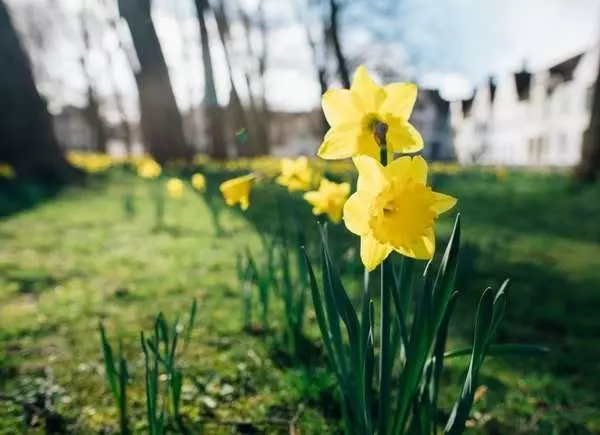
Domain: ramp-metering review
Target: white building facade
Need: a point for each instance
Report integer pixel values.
(528, 118)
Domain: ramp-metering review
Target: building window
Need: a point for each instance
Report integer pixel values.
(589, 98)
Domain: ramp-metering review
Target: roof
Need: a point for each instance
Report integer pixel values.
(492, 85)
(466, 106)
(566, 68)
(523, 84)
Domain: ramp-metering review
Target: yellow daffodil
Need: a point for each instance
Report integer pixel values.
(175, 188)
(353, 114)
(296, 175)
(329, 199)
(199, 182)
(149, 169)
(237, 190)
(393, 209)
(6, 171)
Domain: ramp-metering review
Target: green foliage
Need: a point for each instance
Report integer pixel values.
(67, 262)
(352, 350)
(160, 357)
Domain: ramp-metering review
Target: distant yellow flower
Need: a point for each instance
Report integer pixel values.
(296, 175)
(329, 199)
(237, 190)
(502, 174)
(199, 182)
(175, 188)
(394, 209)
(149, 169)
(6, 171)
(354, 113)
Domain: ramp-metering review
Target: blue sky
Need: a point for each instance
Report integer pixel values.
(476, 38)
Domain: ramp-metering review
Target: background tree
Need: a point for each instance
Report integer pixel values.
(92, 109)
(214, 113)
(27, 140)
(589, 167)
(160, 119)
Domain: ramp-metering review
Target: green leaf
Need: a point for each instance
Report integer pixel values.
(109, 365)
(438, 358)
(417, 353)
(444, 282)
(501, 350)
(190, 324)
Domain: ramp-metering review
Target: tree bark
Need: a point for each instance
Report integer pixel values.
(588, 169)
(27, 139)
(215, 114)
(161, 123)
(334, 33)
(92, 111)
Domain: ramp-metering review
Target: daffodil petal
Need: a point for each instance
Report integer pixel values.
(335, 215)
(402, 137)
(356, 213)
(399, 101)
(371, 177)
(442, 202)
(418, 169)
(339, 108)
(367, 145)
(371, 94)
(372, 253)
(313, 197)
(399, 169)
(340, 142)
(423, 247)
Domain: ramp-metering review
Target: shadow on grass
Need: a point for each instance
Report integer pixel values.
(17, 196)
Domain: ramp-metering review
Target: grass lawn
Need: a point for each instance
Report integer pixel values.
(75, 259)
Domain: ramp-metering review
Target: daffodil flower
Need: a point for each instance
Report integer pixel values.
(296, 174)
(329, 199)
(149, 169)
(393, 209)
(353, 114)
(237, 190)
(199, 182)
(175, 188)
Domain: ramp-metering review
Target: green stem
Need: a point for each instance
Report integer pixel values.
(385, 361)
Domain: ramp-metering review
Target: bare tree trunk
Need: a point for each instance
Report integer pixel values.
(588, 169)
(214, 112)
(237, 116)
(27, 140)
(92, 111)
(161, 123)
(263, 137)
(334, 34)
(320, 68)
(119, 100)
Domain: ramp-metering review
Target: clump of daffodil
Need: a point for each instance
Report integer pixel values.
(175, 188)
(296, 175)
(393, 209)
(149, 169)
(199, 182)
(237, 190)
(353, 115)
(329, 199)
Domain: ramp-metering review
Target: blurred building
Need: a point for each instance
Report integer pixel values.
(528, 118)
(301, 133)
(295, 133)
(431, 116)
